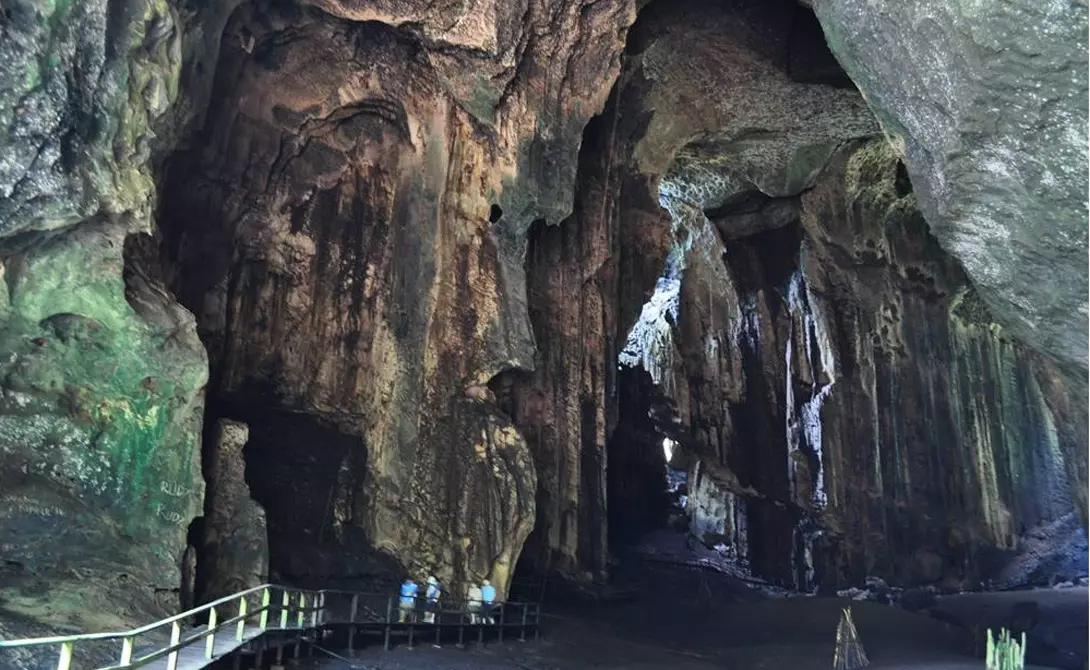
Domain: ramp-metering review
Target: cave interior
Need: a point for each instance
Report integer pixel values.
(549, 296)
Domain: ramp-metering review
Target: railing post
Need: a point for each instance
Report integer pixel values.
(64, 662)
(537, 621)
(266, 598)
(462, 625)
(353, 610)
(315, 616)
(210, 641)
(503, 611)
(126, 652)
(243, 607)
(522, 632)
(285, 606)
(299, 618)
(175, 638)
(389, 613)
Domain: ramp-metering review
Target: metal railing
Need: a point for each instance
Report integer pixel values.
(385, 614)
(292, 607)
(298, 611)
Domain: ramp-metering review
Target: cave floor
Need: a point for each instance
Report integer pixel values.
(720, 624)
(772, 635)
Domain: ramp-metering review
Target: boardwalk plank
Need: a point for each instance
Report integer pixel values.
(192, 657)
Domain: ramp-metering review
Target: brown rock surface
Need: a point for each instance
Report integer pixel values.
(234, 549)
(350, 232)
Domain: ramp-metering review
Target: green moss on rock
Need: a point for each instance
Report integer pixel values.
(99, 420)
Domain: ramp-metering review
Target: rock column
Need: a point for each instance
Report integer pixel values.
(235, 552)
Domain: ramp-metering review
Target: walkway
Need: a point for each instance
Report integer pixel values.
(281, 621)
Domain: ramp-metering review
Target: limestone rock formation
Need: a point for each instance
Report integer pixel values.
(77, 101)
(99, 431)
(987, 104)
(103, 374)
(880, 391)
(234, 547)
(418, 238)
(755, 130)
(349, 229)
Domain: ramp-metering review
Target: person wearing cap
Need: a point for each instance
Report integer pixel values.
(407, 601)
(432, 596)
(473, 604)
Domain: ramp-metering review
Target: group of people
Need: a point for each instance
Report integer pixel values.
(481, 601)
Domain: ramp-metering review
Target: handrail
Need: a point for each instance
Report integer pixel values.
(307, 602)
(208, 633)
(136, 632)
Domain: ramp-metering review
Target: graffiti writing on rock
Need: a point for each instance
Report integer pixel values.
(169, 515)
(174, 489)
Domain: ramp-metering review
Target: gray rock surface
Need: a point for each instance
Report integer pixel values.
(987, 102)
(80, 84)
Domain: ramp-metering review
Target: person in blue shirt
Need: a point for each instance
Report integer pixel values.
(432, 594)
(488, 596)
(407, 602)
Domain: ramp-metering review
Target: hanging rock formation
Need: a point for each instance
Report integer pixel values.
(858, 396)
(755, 129)
(986, 104)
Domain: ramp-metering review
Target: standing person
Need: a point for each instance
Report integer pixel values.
(488, 595)
(407, 602)
(473, 604)
(432, 595)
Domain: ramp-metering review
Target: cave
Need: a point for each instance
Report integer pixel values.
(740, 310)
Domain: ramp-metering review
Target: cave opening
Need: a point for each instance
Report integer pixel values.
(642, 484)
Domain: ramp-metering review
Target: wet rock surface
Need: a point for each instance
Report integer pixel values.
(349, 230)
(870, 373)
(99, 433)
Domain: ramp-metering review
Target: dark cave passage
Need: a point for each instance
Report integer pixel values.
(640, 500)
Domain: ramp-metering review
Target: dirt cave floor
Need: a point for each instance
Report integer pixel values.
(691, 621)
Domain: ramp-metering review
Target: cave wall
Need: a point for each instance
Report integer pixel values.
(586, 280)
(103, 374)
(862, 392)
(349, 216)
(987, 106)
(350, 228)
(589, 278)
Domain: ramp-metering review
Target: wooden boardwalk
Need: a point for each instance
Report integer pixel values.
(193, 657)
(280, 621)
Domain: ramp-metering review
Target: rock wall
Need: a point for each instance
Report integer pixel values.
(234, 542)
(350, 228)
(986, 104)
(415, 259)
(103, 374)
(589, 279)
(860, 391)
